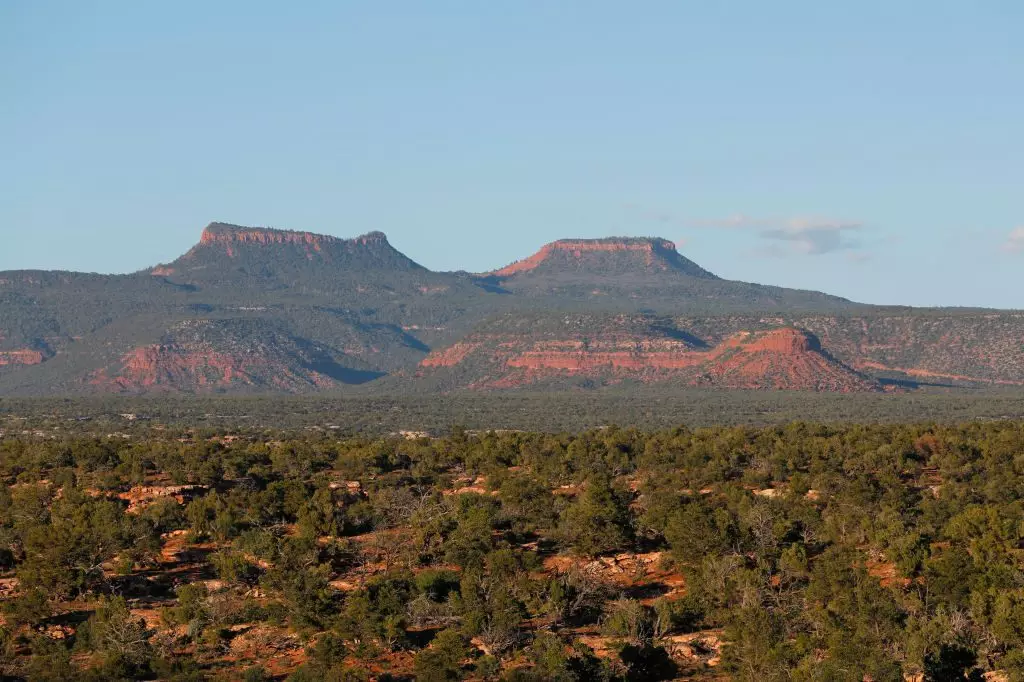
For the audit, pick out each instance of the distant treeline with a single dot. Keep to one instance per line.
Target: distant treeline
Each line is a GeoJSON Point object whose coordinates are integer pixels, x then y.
{"type": "Point", "coordinates": [373, 414]}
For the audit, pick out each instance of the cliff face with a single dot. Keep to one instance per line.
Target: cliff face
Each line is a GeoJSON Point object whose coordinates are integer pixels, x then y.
{"type": "Point", "coordinates": [222, 234]}
{"type": "Point", "coordinates": [227, 235]}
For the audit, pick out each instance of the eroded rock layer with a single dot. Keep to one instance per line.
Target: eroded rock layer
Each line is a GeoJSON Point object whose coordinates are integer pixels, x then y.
{"type": "Point", "coordinates": [783, 358]}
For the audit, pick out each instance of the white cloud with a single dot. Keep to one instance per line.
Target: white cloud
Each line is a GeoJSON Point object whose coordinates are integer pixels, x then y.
{"type": "Point", "coordinates": [805, 235]}
{"type": "Point", "coordinates": [1015, 240]}
{"type": "Point", "coordinates": [813, 236]}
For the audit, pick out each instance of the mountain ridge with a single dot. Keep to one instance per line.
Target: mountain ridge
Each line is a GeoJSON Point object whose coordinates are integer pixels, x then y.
{"type": "Point", "coordinates": [265, 310]}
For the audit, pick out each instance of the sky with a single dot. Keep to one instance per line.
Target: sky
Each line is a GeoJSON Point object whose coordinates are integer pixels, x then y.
{"type": "Point", "coordinates": [873, 150]}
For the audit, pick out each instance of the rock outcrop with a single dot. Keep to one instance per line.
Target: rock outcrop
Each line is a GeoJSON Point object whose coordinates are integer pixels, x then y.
{"type": "Point", "coordinates": [21, 357]}
{"type": "Point", "coordinates": [231, 237]}
{"type": "Point", "coordinates": [218, 355]}
{"type": "Point", "coordinates": [784, 358]}
{"type": "Point", "coordinates": [449, 357]}
{"type": "Point", "coordinates": [789, 359]}
{"type": "Point", "coordinates": [219, 233]}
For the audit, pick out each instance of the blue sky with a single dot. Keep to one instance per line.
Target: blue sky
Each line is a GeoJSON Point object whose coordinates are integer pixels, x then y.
{"type": "Point", "coordinates": [872, 149]}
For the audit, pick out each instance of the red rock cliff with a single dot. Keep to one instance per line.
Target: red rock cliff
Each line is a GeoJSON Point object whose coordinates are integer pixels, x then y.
{"type": "Point", "coordinates": [232, 235]}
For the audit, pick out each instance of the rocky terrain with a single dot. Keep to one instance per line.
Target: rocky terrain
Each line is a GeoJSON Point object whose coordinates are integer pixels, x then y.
{"type": "Point", "coordinates": [259, 310]}
{"type": "Point", "coordinates": [783, 358]}
{"type": "Point", "coordinates": [204, 356]}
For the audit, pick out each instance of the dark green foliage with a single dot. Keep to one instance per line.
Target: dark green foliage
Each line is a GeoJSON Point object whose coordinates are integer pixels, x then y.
{"type": "Point", "coordinates": [443, 661]}
{"type": "Point", "coordinates": [29, 608]}
{"type": "Point", "coordinates": [119, 639]}
{"type": "Point", "coordinates": [808, 551]}
{"type": "Point", "coordinates": [527, 503]}
{"type": "Point", "coordinates": [63, 557]}
{"type": "Point", "coordinates": [378, 613]}
{"type": "Point", "coordinates": [647, 663]}
{"type": "Point", "coordinates": [599, 520]}
{"type": "Point", "coordinates": [696, 531]}
{"type": "Point", "coordinates": [50, 660]}
{"type": "Point", "coordinates": [303, 585]}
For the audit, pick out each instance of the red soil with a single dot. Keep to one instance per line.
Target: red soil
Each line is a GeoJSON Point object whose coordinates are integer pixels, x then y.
{"type": "Point", "coordinates": [886, 573]}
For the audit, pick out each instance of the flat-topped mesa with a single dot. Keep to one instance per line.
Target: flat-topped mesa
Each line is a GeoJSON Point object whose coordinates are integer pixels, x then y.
{"type": "Point", "coordinates": [223, 233]}
{"type": "Point", "coordinates": [607, 256]}
{"type": "Point", "coordinates": [219, 233]}
{"type": "Point", "coordinates": [227, 252]}
{"type": "Point", "coordinates": [219, 239]}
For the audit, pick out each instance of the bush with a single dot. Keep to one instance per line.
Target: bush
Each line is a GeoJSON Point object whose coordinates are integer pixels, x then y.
{"type": "Point", "coordinates": [121, 640]}
{"type": "Point", "coordinates": [443, 660]}
{"type": "Point", "coordinates": [599, 520]}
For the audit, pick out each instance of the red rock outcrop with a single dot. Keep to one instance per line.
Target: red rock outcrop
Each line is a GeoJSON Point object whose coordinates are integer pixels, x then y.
{"type": "Point", "coordinates": [21, 357]}
{"type": "Point", "coordinates": [788, 359]}
{"type": "Point", "coordinates": [229, 234]}
{"type": "Point", "coordinates": [778, 359]}
{"type": "Point", "coordinates": [787, 340]}
{"type": "Point", "coordinates": [449, 357]}
{"type": "Point", "coordinates": [177, 368]}
{"type": "Point", "coordinates": [231, 237]}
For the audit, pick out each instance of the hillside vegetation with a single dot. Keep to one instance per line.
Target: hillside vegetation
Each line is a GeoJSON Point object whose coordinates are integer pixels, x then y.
{"type": "Point", "coordinates": [800, 552]}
